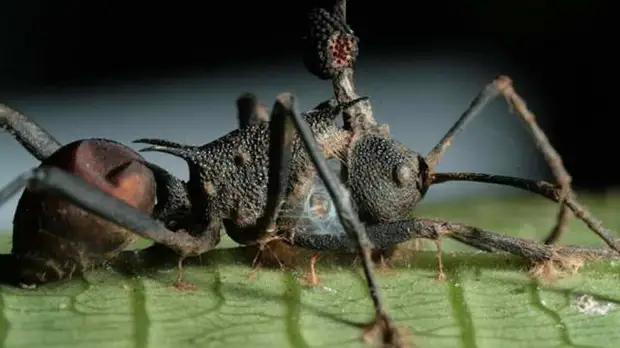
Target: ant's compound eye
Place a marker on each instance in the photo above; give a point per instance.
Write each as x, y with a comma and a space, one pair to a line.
402, 174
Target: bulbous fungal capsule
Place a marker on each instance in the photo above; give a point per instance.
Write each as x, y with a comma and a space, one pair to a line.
329, 45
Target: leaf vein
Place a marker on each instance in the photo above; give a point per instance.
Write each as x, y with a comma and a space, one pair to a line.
537, 302
140, 315
5, 326
292, 298
460, 310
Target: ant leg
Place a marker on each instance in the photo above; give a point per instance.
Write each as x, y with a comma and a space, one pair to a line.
250, 111
386, 234
281, 136
28, 133
355, 230
551, 156
314, 279
281, 133
503, 85
476, 107
440, 273
542, 188
543, 257
255, 265
90, 198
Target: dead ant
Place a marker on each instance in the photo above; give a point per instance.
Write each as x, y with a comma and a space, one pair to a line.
405, 172
243, 180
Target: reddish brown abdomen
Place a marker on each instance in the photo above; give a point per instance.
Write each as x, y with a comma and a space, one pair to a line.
53, 238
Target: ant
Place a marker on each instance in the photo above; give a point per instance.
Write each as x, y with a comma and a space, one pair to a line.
243, 181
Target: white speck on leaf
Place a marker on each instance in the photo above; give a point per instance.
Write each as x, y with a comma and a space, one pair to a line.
586, 304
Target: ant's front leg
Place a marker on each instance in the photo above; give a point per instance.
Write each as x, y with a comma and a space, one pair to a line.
545, 258
548, 261
545, 189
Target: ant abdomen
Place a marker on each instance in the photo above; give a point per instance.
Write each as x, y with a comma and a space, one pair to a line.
54, 239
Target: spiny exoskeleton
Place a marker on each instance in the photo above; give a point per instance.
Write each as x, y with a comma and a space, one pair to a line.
227, 188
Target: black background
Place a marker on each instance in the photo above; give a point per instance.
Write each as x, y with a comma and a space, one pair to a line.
568, 47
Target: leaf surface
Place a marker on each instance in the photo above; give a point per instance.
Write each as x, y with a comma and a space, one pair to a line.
486, 301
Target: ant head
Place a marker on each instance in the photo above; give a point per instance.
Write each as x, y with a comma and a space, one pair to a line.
386, 178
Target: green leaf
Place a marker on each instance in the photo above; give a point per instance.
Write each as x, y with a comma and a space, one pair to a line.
486, 301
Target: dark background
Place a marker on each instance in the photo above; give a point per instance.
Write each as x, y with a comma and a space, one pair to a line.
565, 49
565, 46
